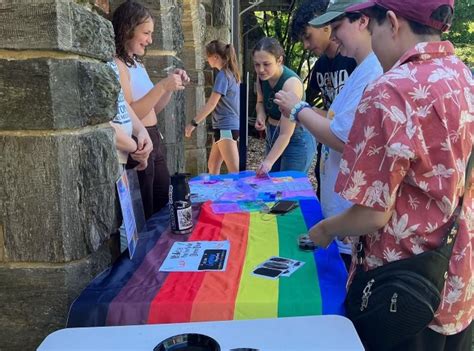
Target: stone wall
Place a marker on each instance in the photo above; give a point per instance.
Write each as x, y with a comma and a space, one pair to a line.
57, 158
193, 55
57, 162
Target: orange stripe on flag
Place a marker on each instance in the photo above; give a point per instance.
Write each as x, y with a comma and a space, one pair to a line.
215, 299
173, 303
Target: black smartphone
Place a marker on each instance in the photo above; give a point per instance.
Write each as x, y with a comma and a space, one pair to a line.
268, 272
305, 243
283, 206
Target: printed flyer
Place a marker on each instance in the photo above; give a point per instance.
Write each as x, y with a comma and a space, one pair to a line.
197, 256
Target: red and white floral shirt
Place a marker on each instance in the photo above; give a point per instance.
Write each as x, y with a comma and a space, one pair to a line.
407, 151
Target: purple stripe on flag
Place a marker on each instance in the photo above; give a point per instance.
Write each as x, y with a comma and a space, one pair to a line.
132, 304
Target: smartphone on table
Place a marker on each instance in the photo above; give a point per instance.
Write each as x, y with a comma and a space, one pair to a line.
283, 206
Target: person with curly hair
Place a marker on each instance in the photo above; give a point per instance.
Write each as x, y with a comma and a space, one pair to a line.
331, 128
331, 70
133, 27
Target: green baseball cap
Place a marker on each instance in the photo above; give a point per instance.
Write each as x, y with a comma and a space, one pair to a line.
335, 9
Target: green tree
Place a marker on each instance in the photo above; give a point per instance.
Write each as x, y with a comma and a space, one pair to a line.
461, 33
276, 24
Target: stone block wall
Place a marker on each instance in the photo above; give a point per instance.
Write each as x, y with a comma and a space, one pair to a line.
57, 158
193, 58
58, 162
214, 23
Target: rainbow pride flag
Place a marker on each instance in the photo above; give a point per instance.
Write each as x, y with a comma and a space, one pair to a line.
135, 292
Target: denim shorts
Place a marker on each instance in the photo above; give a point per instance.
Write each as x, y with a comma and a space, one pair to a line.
299, 153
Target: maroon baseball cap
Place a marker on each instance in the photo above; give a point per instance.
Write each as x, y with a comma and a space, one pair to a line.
415, 10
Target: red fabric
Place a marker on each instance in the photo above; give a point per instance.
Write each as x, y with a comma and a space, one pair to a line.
172, 305
407, 152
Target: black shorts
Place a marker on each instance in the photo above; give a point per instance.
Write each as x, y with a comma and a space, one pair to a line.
221, 134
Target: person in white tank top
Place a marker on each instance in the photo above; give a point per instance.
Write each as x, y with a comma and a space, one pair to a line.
133, 27
126, 124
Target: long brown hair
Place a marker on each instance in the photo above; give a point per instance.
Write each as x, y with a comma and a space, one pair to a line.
227, 53
125, 19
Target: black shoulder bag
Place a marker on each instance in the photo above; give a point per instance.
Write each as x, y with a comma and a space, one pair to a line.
396, 301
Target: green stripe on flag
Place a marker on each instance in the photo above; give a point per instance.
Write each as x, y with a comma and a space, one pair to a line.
299, 294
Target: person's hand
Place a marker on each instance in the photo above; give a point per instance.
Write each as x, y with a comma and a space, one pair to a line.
189, 130
142, 165
144, 143
260, 124
286, 100
319, 236
173, 82
183, 74
263, 169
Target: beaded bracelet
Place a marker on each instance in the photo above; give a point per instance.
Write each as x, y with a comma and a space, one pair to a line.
297, 109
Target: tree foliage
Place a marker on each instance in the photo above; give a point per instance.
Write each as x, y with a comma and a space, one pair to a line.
462, 31
276, 24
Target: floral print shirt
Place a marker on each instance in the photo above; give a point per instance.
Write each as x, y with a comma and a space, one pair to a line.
407, 152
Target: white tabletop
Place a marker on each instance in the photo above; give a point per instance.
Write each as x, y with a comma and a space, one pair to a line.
326, 332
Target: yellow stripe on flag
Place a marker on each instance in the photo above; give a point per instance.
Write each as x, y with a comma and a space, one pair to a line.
257, 296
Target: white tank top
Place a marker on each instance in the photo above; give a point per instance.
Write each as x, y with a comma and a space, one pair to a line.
140, 81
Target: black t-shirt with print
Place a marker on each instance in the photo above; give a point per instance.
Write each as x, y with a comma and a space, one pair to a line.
328, 77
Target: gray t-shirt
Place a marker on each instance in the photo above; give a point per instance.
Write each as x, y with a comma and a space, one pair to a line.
226, 114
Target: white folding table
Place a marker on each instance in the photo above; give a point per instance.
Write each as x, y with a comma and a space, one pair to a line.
327, 332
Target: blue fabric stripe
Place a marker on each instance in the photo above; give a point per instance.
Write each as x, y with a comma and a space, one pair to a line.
331, 270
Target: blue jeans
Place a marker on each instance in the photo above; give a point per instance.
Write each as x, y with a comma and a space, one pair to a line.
299, 153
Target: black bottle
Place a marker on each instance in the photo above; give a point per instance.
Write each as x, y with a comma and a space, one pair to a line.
181, 213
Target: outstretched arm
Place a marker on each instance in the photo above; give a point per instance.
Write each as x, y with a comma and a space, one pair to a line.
286, 131
260, 109
204, 112
357, 220
312, 119
157, 97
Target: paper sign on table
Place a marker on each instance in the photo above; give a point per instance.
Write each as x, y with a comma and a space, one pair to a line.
127, 213
197, 256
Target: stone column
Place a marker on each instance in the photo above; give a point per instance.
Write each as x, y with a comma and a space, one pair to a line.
193, 58
58, 163
203, 21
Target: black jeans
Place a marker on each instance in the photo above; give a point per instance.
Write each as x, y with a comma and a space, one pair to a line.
155, 179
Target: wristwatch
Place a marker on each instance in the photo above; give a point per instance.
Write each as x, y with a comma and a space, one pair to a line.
297, 109
194, 123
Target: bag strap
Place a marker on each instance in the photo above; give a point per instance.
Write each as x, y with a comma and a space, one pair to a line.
453, 229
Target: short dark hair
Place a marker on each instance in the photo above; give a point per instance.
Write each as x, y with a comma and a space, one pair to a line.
308, 10
351, 16
444, 14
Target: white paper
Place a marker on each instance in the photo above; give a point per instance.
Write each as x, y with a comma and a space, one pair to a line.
197, 256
